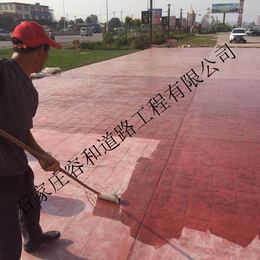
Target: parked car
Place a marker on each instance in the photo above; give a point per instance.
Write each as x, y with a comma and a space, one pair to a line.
249, 31
84, 31
4, 35
211, 31
256, 33
238, 34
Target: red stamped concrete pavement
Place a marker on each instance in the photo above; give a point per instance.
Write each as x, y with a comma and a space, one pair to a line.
189, 177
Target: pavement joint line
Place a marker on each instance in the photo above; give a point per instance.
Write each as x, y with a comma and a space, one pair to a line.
163, 172
159, 236
165, 167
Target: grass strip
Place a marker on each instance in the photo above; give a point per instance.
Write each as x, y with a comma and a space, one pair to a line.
196, 41
69, 59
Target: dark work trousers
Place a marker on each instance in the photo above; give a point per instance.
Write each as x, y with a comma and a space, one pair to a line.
19, 215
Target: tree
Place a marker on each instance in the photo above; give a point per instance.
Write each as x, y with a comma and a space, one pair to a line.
71, 22
88, 19
137, 24
220, 27
114, 23
44, 22
61, 23
128, 23
94, 18
79, 20
7, 22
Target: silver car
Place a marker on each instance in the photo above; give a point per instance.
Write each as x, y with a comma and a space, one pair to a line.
84, 31
4, 35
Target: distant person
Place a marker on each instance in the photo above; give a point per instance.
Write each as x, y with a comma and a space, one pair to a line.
19, 203
51, 35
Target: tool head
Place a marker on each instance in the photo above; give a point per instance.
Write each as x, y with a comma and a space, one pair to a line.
110, 197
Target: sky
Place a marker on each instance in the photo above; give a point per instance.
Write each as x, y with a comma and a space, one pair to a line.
84, 8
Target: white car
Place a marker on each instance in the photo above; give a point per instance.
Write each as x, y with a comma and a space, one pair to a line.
4, 35
238, 34
85, 31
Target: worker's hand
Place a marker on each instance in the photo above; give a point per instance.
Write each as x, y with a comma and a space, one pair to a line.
47, 167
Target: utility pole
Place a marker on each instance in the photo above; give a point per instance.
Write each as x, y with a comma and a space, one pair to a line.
180, 20
208, 12
169, 19
100, 13
64, 15
151, 18
114, 14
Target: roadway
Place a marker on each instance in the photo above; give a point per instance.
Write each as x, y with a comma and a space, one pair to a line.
252, 42
63, 39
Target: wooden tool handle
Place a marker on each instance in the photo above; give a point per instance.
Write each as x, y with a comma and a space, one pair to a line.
40, 156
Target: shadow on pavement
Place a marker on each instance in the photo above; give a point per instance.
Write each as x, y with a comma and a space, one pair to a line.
62, 207
59, 251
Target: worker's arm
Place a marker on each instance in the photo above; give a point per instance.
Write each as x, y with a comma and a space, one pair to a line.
30, 141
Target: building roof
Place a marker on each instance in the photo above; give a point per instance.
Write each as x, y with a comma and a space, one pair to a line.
9, 3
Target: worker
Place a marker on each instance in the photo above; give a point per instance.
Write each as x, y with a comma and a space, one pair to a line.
19, 201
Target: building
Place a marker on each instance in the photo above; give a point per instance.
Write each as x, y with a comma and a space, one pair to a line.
257, 20
26, 11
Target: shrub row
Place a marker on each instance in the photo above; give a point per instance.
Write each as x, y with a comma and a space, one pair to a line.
119, 43
122, 43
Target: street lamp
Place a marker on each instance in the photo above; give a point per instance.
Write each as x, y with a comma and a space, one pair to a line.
173, 9
121, 17
151, 22
64, 15
180, 19
168, 19
100, 13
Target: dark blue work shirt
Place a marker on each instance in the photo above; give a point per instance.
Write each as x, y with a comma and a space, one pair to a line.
18, 105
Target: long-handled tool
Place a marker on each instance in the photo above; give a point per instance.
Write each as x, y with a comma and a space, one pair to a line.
103, 196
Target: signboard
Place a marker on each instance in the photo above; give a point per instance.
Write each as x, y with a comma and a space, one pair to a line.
156, 17
173, 21
145, 17
225, 8
75, 44
164, 21
184, 22
39, 13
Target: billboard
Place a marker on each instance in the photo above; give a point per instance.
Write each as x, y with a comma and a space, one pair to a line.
225, 8
156, 17
145, 17
164, 21
173, 21
184, 22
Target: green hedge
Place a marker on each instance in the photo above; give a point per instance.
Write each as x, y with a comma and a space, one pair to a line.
119, 43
